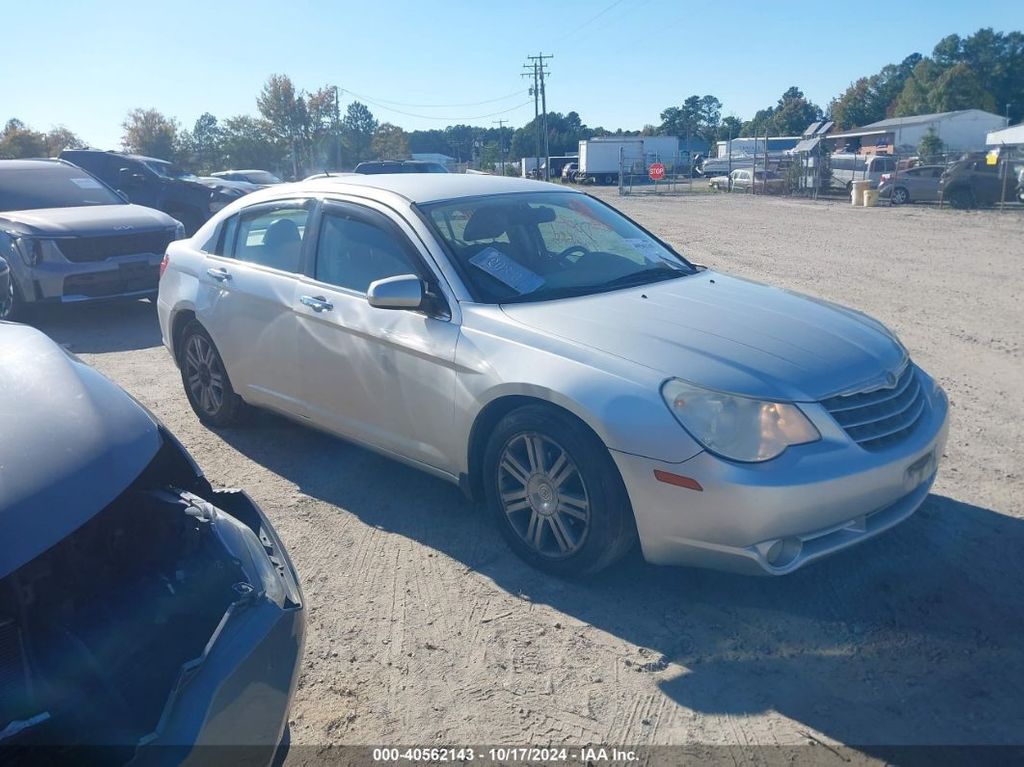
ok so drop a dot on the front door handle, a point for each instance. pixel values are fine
(317, 303)
(221, 275)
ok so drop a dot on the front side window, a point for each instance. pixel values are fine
(537, 246)
(355, 249)
(51, 185)
(269, 236)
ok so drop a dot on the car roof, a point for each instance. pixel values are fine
(33, 162)
(414, 187)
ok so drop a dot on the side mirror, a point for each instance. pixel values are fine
(404, 291)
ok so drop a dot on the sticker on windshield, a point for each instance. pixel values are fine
(87, 183)
(503, 268)
(649, 249)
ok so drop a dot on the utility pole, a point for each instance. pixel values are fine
(539, 70)
(501, 142)
(337, 129)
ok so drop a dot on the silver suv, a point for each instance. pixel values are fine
(69, 237)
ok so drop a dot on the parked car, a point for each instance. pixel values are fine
(569, 171)
(234, 188)
(400, 166)
(252, 176)
(139, 607)
(917, 184)
(761, 181)
(720, 183)
(6, 289)
(156, 184)
(67, 237)
(546, 353)
(847, 167)
(971, 182)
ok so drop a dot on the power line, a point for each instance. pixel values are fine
(437, 117)
(598, 15)
(438, 106)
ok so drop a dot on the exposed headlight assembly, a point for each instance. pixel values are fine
(734, 427)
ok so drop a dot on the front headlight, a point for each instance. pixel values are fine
(734, 427)
(31, 251)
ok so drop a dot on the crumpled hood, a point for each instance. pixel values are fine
(70, 442)
(85, 221)
(727, 334)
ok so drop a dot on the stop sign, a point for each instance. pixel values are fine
(656, 171)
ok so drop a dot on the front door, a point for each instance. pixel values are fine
(381, 376)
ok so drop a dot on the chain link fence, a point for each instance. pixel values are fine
(960, 180)
(674, 174)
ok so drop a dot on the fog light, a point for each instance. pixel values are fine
(784, 551)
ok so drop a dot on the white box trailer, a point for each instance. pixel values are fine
(600, 158)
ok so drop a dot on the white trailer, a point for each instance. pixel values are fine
(600, 157)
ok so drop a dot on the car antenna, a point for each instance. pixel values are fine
(327, 173)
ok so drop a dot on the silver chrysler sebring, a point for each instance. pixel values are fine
(551, 356)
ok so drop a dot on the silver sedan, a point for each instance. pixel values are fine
(552, 357)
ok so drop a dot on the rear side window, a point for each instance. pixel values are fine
(269, 236)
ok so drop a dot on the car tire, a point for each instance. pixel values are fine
(556, 493)
(899, 196)
(206, 381)
(11, 306)
(960, 198)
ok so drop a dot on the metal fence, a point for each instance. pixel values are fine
(978, 180)
(635, 175)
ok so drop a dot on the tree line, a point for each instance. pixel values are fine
(294, 131)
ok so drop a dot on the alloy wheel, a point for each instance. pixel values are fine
(900, 196)
(7, 300)
(204, 374)
(543, 495)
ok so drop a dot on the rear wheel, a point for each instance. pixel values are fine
(960, 197)
(556, 492)
(900, 196)
(206, 381)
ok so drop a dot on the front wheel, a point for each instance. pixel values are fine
(556, 492)
(961, 198)
(900, 196)
(10, 304)
(206, 382)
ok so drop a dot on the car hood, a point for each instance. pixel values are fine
(85, 221)
(728, 334)
(72, 442)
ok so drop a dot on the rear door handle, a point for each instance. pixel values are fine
(317, 303)
(221, 275)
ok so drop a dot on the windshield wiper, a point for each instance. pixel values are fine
(653, 274)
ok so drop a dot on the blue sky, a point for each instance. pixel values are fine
(616, 63)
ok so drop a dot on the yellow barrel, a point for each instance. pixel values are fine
(870, 198)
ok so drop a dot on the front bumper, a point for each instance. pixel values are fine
(827, 496)
(56, 282)
(239, 692)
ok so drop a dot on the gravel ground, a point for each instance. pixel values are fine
(425, 629)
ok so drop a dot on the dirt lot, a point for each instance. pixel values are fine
(424, 629)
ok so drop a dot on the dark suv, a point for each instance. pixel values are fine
(400, 166)
(971, 181)
(156, 184)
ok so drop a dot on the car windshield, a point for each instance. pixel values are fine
(51, 185)
(167, 170)
(538, 246)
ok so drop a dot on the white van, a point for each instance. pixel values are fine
(847, 168)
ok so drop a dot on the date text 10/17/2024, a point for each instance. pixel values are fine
(505, 754)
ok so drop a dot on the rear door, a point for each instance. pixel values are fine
(384, 377)
(247, 297)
